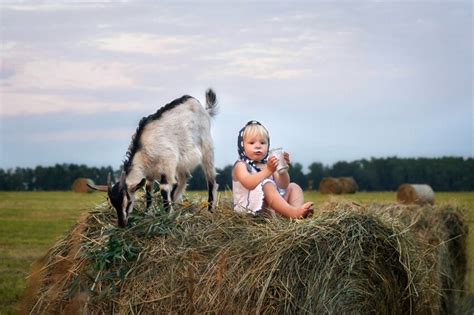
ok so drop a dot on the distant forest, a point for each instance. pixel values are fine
(376, 174)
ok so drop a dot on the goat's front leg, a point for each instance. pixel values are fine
(149, 196)
(165, 190)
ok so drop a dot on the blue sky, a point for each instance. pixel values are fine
(332, 81)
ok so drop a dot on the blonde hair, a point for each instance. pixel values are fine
(255, 130)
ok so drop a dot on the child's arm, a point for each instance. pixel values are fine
(250, 181)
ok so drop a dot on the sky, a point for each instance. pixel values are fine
(331, 81)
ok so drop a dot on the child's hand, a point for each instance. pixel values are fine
(286, 156)
(272, 164)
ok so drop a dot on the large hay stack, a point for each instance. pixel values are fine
(443, 228)
(415, 193)
(80, 185)
(338, 185)
(348, 259)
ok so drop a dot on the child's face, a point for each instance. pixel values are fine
(255, 147)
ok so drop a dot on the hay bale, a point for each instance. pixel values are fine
(330, 185)
(338, 185)
(346, 259)
(348, 185)
(444, 229)
(415, 193)
(80, 185)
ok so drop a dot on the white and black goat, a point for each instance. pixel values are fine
(167, 146)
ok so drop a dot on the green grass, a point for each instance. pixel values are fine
(30, 223)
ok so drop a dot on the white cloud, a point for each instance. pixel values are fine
(149, 44)
(78, 135)
(16, 104)
(51, 6)
(64, 74)
(291, 18)
(262, 62)
(13, 49)
(7, 47)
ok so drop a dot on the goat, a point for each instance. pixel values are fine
(167, 146)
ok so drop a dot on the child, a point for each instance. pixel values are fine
(255, 183)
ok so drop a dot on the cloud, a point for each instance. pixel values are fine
(262, 62)
(16, 104)
(51, 6)
(8, 47)
(148, 44)
(78, 135)
(65, 74)
(291, 18)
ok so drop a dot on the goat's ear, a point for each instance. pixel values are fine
(138, 186)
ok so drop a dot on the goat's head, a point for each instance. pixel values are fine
(121, 197)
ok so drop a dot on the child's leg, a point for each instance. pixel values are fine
(294, 195)
(275, 201)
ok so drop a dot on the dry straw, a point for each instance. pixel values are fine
(347, 259)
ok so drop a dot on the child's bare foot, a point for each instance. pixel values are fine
(306, 209)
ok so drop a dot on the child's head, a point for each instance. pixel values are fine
(255, 130)
(253, 142)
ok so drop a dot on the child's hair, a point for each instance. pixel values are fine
(255, 130)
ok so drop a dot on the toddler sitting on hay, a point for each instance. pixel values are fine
(256, 185)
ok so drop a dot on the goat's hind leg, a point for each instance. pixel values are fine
(210, 173)
(180, 187)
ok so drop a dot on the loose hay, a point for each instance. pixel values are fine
(346, 259)
(442, 228)
(415, 193)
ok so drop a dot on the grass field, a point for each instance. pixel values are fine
(31, 222)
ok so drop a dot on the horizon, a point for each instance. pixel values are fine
(305, 168)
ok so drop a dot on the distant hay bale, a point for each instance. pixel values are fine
(330, 185)
(348, 185)
(80, 185)
(347, 259)
(338, 185)
(415, 193)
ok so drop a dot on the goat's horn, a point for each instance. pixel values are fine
(98, 187)
(109, 181)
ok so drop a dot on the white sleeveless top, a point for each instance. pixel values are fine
(250, 201)
(247, 201)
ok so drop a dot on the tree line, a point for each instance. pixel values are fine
(376, 174)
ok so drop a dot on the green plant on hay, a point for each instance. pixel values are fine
(348, 258)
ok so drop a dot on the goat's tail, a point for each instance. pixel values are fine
(211, 103)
